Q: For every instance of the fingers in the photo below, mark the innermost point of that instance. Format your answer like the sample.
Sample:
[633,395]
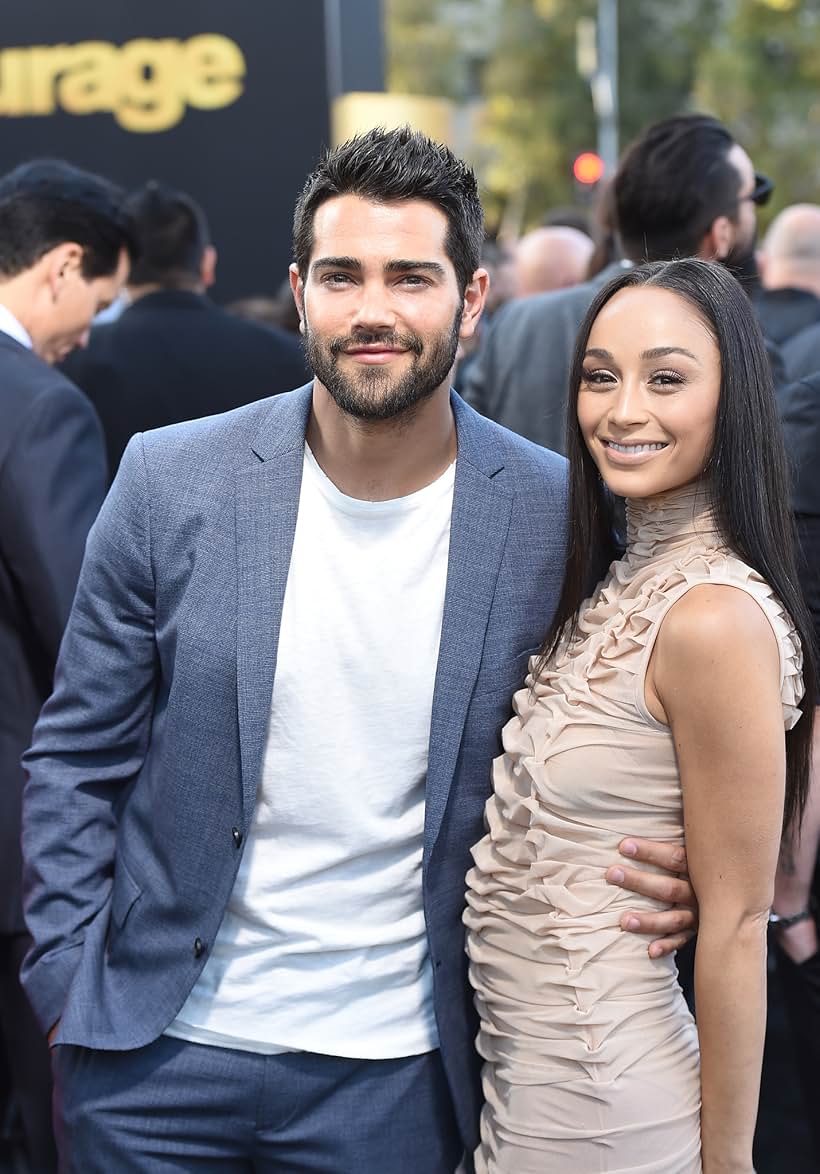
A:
[672,857]
[664,946]
[667,924]
[671,890]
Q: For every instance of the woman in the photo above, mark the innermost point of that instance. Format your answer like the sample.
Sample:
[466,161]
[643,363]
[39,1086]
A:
[658,706]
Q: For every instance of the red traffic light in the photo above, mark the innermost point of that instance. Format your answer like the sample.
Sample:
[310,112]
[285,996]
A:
[588,167]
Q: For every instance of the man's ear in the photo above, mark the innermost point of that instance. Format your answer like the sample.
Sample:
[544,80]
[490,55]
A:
[718,240]
[298,290]
[60,264]
[207,266]
[475,295]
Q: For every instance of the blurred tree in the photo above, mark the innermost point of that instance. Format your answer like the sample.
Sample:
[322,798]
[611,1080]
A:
[512,65]
[423,53]
[761,75]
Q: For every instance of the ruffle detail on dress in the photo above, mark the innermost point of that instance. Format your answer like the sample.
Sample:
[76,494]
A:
[563,993]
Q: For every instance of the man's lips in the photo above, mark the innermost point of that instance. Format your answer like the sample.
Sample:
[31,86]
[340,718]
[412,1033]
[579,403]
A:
[371,354]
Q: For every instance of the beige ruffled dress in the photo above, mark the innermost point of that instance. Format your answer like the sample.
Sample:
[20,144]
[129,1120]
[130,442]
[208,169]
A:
[591,1055]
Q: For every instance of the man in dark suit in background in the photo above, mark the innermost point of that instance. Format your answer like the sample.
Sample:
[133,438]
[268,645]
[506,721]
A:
[173,355]
[64,254]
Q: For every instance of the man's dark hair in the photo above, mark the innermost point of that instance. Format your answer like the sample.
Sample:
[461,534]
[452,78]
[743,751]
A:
[48,202]
[745,481]
[671,184]
[172,233]
[390,165]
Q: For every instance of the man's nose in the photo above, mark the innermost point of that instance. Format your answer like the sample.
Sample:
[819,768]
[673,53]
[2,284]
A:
[374,310]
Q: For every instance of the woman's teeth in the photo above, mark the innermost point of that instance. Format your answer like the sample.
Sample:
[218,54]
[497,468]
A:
[635,448]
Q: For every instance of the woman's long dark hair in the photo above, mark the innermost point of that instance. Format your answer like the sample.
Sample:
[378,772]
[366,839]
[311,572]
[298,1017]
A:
[746,474]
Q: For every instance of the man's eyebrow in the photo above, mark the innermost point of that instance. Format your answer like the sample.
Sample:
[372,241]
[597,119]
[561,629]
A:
[336,263]
[352,264]
[415,267]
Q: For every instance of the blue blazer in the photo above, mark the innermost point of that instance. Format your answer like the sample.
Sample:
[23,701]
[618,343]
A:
[145,762]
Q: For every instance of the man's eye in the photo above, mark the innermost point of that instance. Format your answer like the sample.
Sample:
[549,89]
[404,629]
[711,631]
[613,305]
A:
[413,279]
[336,278]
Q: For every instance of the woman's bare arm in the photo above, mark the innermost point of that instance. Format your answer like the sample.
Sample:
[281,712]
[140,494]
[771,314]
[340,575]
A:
[715,675]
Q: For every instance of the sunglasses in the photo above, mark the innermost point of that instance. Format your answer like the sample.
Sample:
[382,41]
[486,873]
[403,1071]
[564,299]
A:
[761,191]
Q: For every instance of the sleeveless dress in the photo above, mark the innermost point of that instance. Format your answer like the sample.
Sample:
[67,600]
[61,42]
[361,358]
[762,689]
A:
[591,1054]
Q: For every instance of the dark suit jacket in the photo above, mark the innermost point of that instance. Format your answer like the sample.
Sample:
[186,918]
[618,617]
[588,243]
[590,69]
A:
[520,377]
[784,313]
[802,353]
[800,412]
[52,481]
[148,754]
[174,355]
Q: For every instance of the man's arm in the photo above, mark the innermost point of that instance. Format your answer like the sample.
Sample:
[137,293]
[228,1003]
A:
[52,484]
[90,740]
[796,867]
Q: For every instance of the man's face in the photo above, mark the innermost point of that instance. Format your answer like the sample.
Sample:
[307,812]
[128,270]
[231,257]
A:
[381,310]
[74,300]
[740,259]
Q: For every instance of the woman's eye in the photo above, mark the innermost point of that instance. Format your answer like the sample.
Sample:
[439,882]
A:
[598,377]
[667,378]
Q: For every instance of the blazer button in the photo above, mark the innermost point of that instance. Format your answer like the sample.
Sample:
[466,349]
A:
[199,948]
[237,837]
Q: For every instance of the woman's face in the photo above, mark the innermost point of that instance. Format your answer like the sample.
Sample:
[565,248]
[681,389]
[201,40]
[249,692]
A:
[649,392]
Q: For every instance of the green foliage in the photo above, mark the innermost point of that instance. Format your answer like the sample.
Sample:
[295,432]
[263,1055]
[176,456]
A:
[753,63]
[761,75]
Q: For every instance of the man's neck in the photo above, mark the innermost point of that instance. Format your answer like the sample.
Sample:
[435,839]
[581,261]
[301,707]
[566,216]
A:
[380,460]
[16,297]
[135,292]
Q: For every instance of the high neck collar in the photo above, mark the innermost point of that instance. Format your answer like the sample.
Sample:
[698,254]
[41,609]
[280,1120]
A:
[683,517]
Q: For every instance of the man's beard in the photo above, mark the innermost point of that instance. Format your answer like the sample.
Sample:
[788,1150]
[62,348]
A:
[741,261]
[373,393]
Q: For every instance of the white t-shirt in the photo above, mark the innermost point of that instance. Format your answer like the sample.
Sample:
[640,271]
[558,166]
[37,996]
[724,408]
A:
[323,945]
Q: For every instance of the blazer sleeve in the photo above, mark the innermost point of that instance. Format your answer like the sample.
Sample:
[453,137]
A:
[90,740]
[52,483]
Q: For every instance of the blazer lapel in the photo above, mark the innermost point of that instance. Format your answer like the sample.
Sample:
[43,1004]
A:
[267,504]
[482,509]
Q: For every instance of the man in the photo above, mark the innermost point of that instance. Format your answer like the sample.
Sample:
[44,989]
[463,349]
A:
[551,257]
[172,354]
[253,793]
[64,244]
[790,305]
[789,263]
[684,188]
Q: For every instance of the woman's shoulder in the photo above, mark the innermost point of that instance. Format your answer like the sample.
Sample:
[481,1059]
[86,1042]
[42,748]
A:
[716,614]
[725,610]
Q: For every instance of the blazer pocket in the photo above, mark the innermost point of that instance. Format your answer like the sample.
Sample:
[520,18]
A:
[125,894]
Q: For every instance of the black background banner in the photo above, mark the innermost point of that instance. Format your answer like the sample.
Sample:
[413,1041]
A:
[226,99]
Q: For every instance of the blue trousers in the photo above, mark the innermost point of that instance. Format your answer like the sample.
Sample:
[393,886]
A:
[176,1106]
